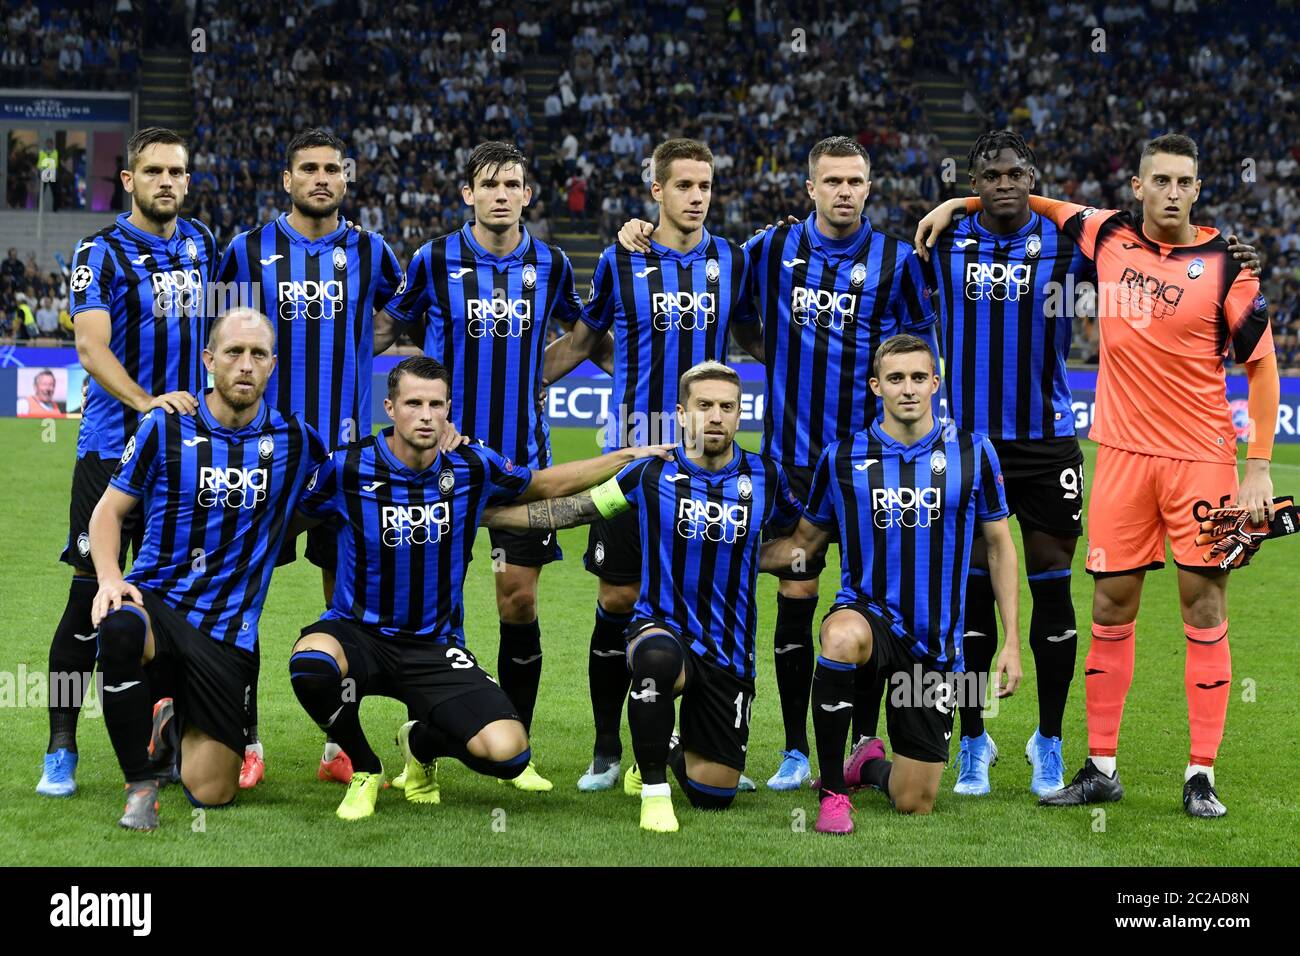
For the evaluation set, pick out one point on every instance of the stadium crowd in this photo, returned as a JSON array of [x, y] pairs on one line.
[[412, 91]]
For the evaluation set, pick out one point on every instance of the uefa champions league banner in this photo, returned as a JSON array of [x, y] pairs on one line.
[[48, 383]]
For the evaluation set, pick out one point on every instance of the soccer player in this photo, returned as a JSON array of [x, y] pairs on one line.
[[322, 282], [407, 514], [218, 489], [1004, 282], [1172, 305], [905, 493], [670, 305], [481, 300], [829, 290], [700, 517], [138, 290]]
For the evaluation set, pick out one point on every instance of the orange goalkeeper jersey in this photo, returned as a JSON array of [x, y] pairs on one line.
[[1168, 314]]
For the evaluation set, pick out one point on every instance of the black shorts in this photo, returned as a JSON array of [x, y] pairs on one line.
[[715, 708], [90, 476], [614, 548], [211, 682], [322, 548], [1044, 484], [423, 675], [919, 707], [800, 478], [527, 549]]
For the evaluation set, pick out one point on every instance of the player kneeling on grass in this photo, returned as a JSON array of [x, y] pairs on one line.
[[218, 489], [407, 514], [700, 513], [905, 494]]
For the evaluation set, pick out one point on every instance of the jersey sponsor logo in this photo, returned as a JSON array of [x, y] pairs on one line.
[[683, 310], [414, 524], [498, 318], [712, 520], [905, 507], [1147, 296], [824, 309], [866, 464], [88, 244], [232, 487], [963, 243], [997, 281], [373, 486], [141, 259], [194, 442], [309, 299], [177, 289]]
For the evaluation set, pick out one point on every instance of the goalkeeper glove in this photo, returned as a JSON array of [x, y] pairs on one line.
[[1234, 538]]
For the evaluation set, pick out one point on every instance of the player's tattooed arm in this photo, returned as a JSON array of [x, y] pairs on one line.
[[548, 514], [793, 552]]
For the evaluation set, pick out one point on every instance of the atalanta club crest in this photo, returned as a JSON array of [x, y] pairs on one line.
[[711, 270], [191, 250], [340, 258], [599, 553], [446, 481], [858, 275], [1033, 246], [401, 285], [83, 544], [1195, 268], [530, 276], [311, 482], [266, 446], [744, 487], [938, 463]]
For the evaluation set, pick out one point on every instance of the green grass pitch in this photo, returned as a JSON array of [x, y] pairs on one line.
[[289, 819]]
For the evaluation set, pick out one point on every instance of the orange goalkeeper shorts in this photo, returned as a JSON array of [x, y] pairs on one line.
[[1137, 500]]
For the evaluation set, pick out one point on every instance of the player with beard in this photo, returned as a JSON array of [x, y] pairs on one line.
[[323, 283], [670, 304], [137, 295], [218, 489]]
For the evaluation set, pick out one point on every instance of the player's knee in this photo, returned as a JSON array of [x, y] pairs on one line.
[[915, 800], [211, 794], [617, 599], [517, 603], [704, 797], [1112, 610], [798, 589], [843, 641], [1203, 610], [122, 636], [502, 742]]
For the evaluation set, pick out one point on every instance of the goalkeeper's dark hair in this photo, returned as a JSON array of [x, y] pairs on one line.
[[311, 139], [420, 366], [1175, 144], [493, 156], [901, 345], [993, 142]]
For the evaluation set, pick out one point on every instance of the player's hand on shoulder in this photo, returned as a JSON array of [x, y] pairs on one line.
[[927, 230], [451, 438], [787, 221], [109, 598], [635, 235], [181, 403], [1245, 254], [650, 451]]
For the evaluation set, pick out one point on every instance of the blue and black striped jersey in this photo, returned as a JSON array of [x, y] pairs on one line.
[[700, 537], [217, 504], [826, 304], [669, 310], [1006, 304], [406, 538], [155, 291], [486, 317], [322, 295], [906, 516]]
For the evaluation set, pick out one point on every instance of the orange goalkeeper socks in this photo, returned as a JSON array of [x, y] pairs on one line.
[[1108, 673], [1208, 678]]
